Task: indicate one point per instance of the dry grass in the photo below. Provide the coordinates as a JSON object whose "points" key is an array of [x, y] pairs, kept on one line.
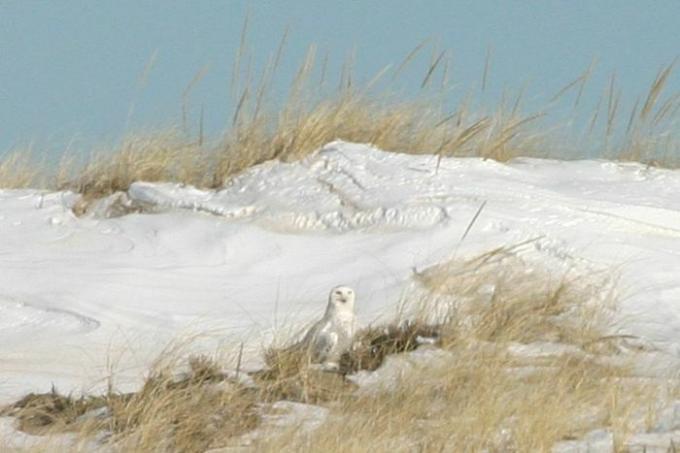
{"points": [[291, 376], [496, 297], [416, 127], [364, 114], [19, 171], [156, 157], [478, 393], [478, 401], [650, 130], [374, 112], [189, 413], [374, 344], [482, 396], [51, 412]]}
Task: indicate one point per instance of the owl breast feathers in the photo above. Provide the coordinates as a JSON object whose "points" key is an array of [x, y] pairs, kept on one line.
{"points": [[332, 335]]}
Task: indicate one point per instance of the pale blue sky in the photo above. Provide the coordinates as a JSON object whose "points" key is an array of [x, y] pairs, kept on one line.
{"points": [[69, 69]]}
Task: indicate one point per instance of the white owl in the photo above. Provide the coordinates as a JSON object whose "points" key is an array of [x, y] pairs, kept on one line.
{"points": [[332, 335]]}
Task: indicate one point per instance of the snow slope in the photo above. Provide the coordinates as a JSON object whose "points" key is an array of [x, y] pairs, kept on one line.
{"points": [[80, 297]]}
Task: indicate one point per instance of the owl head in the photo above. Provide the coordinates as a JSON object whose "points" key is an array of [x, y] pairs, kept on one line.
{"points": [[341, 299]]}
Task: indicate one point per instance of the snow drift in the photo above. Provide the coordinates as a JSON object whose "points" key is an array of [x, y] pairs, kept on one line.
{"points": [[80, 297]]}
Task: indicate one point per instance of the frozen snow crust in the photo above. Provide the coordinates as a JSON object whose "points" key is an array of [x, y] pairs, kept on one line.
{"points": [[80, 297]]}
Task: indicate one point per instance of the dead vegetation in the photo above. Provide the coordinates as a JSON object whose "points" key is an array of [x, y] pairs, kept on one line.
{"points": [[498, 298], [478, 401], [192, 413], [374, 344], [19, 171], [482, 391], [50, 412], [433, 121], [484, 395], [291, 376], [153, 158], [189, 412]]}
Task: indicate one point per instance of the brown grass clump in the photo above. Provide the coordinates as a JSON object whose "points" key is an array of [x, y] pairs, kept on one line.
{"points": [[50, 412], [373, 344], [291, 376], [650, 131], [159, 157], [416, 127], [190, 413], [19, 171], [477, 401], [476, 389], [497, 297], [362, 114], [375, 112], [481, 394]]}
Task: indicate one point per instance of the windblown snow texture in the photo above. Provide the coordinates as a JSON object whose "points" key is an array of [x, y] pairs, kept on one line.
{"points": [[79, 296]]}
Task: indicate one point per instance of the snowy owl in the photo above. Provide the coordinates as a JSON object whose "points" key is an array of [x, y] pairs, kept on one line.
{"points": [[332, 335]]}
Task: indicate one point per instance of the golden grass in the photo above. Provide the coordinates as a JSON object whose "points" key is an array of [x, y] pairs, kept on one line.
{"points": [[374, 344], [477, 393], [410, 127], [50, 412], [359, 113], [153, 158], [19, 171], [497, 297], [376, 113], [649, 133], [188, 413], [290, 374], [484, 397], [478, 401]]}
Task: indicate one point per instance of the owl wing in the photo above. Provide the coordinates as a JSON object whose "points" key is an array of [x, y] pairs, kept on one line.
{"points": [[324, 342]]}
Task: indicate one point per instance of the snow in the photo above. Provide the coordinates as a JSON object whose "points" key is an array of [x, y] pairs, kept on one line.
{"points": [[84, 298], [277, 418], [597, 441], [13, 440]]}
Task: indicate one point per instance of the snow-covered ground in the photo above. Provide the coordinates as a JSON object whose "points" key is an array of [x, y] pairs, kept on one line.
{"points": [[80, 297]]}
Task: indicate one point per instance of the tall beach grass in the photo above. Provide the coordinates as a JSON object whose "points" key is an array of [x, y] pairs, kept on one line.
{"points": [[437, 119], [519, 361]]}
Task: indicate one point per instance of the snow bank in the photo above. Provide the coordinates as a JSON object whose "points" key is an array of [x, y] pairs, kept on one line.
{"points": [[80, 297]]}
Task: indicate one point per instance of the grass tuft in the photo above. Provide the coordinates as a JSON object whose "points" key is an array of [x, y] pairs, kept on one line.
{"points": [[290, 376], [480, 393], [436, 120], [373, 344], [157, 157], [19, 171], [192, 412], [49, 412], [519, 361]]}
